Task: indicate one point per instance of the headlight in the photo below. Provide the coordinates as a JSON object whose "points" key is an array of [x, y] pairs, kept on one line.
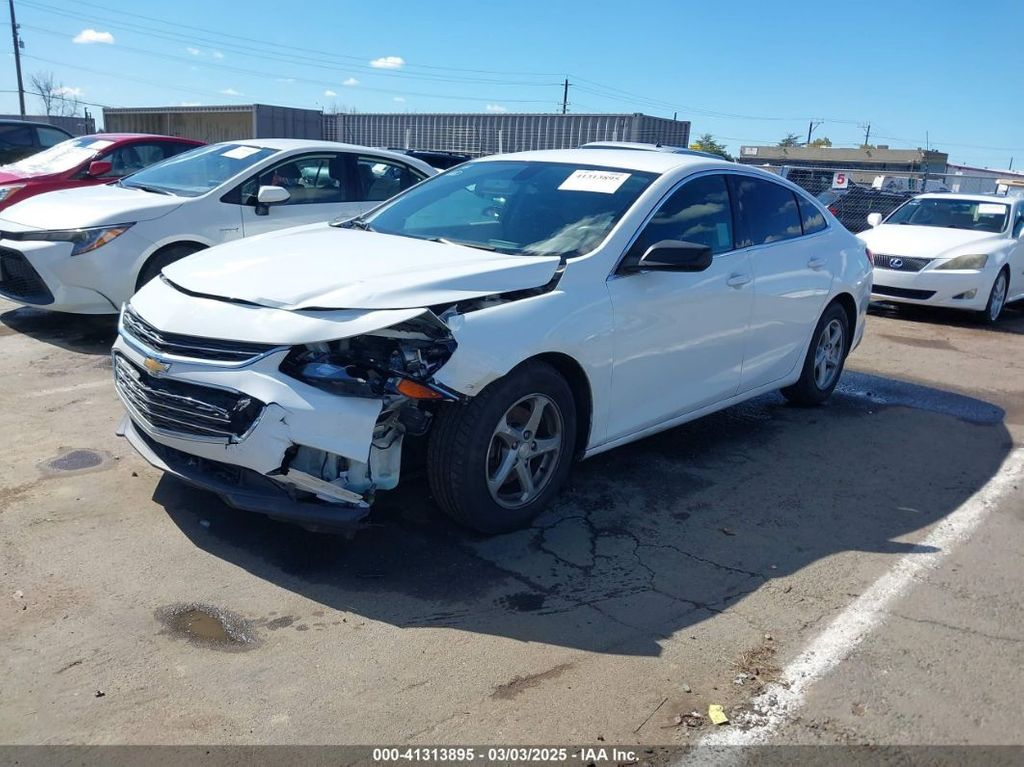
{"points": [[84, 240], [401, 359], [9, 189], [976, 261]]}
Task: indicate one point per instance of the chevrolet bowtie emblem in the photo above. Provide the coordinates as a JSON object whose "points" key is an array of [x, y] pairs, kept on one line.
{"points": [[155, 366]]}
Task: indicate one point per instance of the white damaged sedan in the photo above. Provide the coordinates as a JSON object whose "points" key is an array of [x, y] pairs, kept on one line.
{"points": [[509, 316]]}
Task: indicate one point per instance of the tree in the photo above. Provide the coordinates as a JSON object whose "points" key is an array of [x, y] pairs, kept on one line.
{"points": [[57, 99], [707, 143], [824, 141], [790, 139]]}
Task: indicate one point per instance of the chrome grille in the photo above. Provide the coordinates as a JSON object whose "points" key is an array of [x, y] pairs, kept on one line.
{"points": [[191, 347], [901, 263], [185, 409]]}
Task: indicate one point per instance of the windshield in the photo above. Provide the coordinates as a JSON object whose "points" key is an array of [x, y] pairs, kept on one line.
{"points": [[196, 172], [531, 208], [952, 214], [61, 157]]}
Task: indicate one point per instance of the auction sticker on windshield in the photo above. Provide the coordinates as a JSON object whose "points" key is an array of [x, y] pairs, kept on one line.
{"points": [[606, 182], [991, 209], [241, 152]]}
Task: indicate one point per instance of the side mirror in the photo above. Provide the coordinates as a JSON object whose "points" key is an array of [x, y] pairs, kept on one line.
{"points": [[874, 219], [99, 168], [270, 195], [675, 256]]}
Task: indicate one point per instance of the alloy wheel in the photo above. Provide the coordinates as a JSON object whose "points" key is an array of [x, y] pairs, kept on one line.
{"points": [[828, 355], [524, 450]]}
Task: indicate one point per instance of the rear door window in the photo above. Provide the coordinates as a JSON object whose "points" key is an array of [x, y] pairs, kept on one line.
{"points": [[810, 216], [765, 212], [50, 136]]}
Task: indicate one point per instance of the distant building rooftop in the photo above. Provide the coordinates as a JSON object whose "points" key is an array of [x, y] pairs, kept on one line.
{"points": [[868, 158]]}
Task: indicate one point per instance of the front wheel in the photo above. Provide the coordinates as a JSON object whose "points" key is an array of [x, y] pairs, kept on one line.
{"points": [[996, 298], [824, 361], [495, 462]]}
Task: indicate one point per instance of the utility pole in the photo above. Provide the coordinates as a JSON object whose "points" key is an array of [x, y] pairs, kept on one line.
{"points": [[867, 133], [17, 58], [810, 129], [565, 93]]}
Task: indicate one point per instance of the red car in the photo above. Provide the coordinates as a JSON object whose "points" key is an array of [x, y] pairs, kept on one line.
{"points": [[85, 161]]}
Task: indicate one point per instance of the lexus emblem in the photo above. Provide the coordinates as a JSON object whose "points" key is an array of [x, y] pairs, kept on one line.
{"points": [[895, 263]]}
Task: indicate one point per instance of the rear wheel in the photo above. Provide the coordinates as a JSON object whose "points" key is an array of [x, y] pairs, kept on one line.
{"points": [[163, 258], [824, 361], [996, 298], [495, 462]]}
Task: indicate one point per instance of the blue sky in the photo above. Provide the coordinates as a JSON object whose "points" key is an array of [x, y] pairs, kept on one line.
{"points": [[748, 72]]}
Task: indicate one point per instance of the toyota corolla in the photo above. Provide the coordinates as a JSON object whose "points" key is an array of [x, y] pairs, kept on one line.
{"points": [[507, 317]]}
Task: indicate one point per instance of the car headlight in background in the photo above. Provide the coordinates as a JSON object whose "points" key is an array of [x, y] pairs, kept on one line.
{"points": [[85, 240], [8, 190], [974, 261]]}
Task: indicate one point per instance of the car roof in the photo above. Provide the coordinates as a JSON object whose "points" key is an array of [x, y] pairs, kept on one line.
{"points": [[34, 124], [135, 137], [301, 144], [623, 159], [637, 146], [967, 197]]}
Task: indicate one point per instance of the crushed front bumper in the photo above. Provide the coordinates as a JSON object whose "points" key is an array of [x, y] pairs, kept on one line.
{"points": [[238, 487]]}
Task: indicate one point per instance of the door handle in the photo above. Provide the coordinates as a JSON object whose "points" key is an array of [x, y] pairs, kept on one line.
{"points": [[816, 263], [737, 280]]}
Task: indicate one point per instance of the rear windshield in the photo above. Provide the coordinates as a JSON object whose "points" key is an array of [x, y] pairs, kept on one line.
{"points": [[198, 171], [61, 157], [952, 214], [516, 207]]}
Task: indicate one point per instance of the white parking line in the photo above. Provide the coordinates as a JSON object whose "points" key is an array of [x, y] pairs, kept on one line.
{"points": [[778, 701]]}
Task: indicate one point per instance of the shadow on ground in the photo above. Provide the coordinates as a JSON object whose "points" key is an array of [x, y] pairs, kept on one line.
{"points": [[649, 538], [82, 333], [1010, 321]]}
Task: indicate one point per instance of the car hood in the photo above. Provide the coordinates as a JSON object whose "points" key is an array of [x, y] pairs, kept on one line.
{"points": [[926, 241], [324, 267], [10, 176], [89, 206]]}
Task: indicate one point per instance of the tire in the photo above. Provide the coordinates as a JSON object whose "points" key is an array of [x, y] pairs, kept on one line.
{"points": [[996, 298], [162, 258], [819, 375], [473, 445]]}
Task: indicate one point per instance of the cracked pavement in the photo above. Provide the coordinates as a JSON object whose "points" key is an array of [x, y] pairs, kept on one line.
{"points": [[658, 569]]}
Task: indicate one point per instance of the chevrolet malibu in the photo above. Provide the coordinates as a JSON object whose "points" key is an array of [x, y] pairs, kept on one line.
{"points": [[87, 250], [951, 250], [506, 317]]}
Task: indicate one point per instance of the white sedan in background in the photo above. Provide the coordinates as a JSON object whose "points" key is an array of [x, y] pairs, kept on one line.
{"points": [[951, 250], [516, 313], [87, 250]]}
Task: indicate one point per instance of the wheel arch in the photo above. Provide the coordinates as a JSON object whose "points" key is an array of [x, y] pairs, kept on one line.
{"points": [[196, 245], [572, 371], [849, 305]]}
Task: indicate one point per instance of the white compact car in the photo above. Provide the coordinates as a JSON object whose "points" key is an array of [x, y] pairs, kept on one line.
{"points": [[87, 250], [516, 313], [954, 250]]}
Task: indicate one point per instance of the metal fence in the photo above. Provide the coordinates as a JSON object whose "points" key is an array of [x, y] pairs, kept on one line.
{"points": [[854, 193]]}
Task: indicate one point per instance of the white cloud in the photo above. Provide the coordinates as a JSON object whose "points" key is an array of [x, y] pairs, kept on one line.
{"points": [[285, 79], [388, 62], [351, 81], [329, 93], [194, 51], [399, 99], [496, 109], [230, 92], [217, 54], [191, 103], [68, 92], [89, 36]]}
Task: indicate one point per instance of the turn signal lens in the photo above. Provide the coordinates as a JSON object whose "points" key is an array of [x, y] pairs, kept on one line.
{"points": [[414, 390]]}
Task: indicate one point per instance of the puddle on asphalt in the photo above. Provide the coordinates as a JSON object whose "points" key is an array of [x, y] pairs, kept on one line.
{"points": [[73, 460], [208, 626]]}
